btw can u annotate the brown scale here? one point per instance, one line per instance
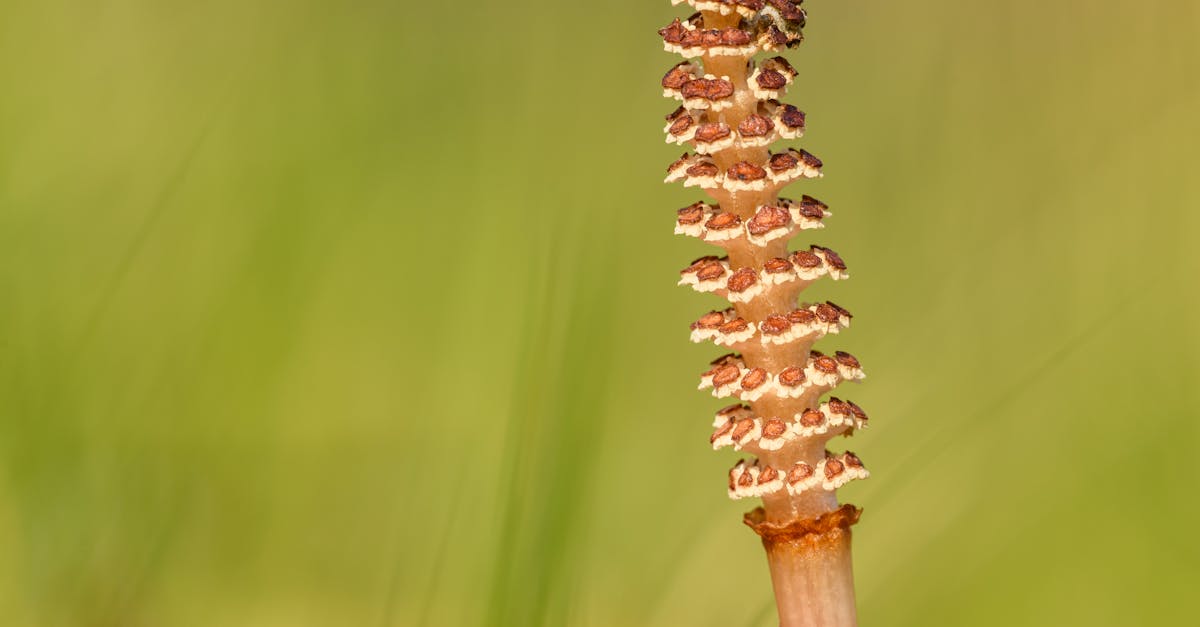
(784, 65)
(838, 406)
(835, 260)
(711, 272)
(828, 313)
(742, 280)
(805, 260)
(754, 379)
(673, 33)
(678, 76)
(767, 219)
(691, 214)
(678, 163)
(792, 377)
(783, 162)
(681, 125)
(833, 468)
(735, 37)
(700, 263)
(712, 38)
(847, 360)
(746, 171)
(703, 169)
(774, 429)
(755, 125)
(723, 221)
(712, 132)
(777, 37)
(790, 11)
(812, 208)
(799, 472)
(810, 160)
(801, 316)
(707, 88)
(745, 480)
(726, 375)
(777, 265)
(767, 475)
(737, 325)
(812, 418)
(842, 310)
(710, 320)
(792, 117)
(717, 364)
(812, 213)
(721, 432)
(775, 325)
(825, 364)
(742, 429)
(771, 80)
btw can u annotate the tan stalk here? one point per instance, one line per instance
(731, 115)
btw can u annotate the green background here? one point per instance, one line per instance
(363, 313)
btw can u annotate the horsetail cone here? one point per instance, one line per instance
(731, 116)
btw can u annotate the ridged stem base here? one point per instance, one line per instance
(811, 568)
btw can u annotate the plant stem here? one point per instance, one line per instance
(805, 532)
(811, 569)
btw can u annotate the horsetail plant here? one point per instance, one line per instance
(731, 115)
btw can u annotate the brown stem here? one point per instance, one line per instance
(811, 569)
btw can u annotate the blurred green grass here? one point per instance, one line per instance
(322, 313)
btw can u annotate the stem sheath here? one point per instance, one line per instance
(811, 568)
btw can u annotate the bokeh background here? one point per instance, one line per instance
(362, 313)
